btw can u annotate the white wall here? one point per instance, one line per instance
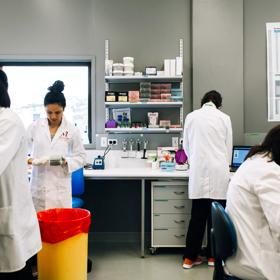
(148, 30)
(48, 27)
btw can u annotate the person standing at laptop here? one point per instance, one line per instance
(208, 143)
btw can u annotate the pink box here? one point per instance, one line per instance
(133, 96)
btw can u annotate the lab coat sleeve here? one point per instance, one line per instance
(10, 139)
(77, 158)
(268, 192)
(30, 138)
(185, 138)
(229, 140)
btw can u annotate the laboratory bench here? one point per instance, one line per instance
(143, 174)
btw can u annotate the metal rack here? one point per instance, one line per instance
(109, 80)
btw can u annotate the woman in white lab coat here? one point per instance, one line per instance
(253, 203)
(56, 151)
(208, 143)
(19, 229)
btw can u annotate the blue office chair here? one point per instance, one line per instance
(78, 188)
(223, 239)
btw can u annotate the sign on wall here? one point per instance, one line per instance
(273, 70)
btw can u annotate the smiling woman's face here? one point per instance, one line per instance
(54, 114)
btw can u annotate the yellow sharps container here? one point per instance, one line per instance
(65, 244)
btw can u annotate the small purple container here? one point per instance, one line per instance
(111, 124)
(181, 157)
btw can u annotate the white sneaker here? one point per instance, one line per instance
(211, 262)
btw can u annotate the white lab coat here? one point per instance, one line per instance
(51, 185)
(208, 144)
(19, 230)
(253, 203)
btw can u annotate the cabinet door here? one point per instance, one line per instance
(170, 192)
(169, 237)
(171, 221)
(171, 206)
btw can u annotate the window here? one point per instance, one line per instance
(29, 82)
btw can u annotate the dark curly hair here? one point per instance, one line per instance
(55, 95)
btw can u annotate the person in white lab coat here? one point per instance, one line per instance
(56, 151)
(208, 143)
(19, 230)
(253, 203)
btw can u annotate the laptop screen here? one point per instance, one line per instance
(238, 155)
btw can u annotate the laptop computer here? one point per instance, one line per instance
(238, 156)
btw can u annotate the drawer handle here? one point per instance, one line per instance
(179, 222)
(179, 236)
(179, 207)
(179, 193)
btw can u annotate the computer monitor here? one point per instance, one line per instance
(238, 156)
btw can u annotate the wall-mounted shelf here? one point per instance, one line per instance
(169, 110)
(137, 79)
(143, 104)
(144, 130)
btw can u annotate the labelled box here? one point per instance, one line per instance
(110, 96)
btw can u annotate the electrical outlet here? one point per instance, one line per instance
(175, 141)
(112, 142)
(103, 142)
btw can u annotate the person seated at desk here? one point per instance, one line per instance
(253, 203)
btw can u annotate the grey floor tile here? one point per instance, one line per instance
(123, 262)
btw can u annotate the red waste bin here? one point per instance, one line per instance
(64, 254)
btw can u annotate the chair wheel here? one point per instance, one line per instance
(153, 250)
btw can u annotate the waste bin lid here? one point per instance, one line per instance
(58, 224)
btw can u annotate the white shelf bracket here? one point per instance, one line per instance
(181, 48)
(106, 49)
(107, 114)
(181, 116)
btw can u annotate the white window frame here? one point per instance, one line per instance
(66, 59)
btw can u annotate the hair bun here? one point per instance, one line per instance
(57, 87)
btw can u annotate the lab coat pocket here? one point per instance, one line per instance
(26, 217)
(6, 221)
(64, 197)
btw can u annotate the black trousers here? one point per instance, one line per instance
(200, 216)
(23, 274)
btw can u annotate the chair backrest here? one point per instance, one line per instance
(78, 182)
(223, 239)
(223, 233)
